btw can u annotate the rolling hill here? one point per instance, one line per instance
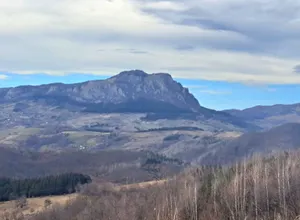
(112, 166)
(283, 138)
(269, 116)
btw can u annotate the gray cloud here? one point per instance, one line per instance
(272, 27)
(185, 47)
(229, 40)
(123, 50)
(297, 69)
(137, 51)
(208, 23)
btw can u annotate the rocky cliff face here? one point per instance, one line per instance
(134, 91)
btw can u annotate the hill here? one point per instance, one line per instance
(269, 116)
(113, 166)
(283, 138)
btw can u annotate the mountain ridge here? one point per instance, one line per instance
(282, 138)
(108, 115)
(269, 116)
(127, 86)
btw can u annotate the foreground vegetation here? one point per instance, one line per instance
(259, 189)
(262, 188)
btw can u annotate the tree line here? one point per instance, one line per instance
(11, 189)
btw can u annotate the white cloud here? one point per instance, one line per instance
(195, 86)
(165, 5)
(64, 36)
(271, 90)
(207, 90)
(3, 77)
(215, 92)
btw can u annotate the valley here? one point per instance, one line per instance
(106, 115)
(149, 110)
(140, 138)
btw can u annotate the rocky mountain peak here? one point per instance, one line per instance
(129, 91)
(133, 76)
(136, 73)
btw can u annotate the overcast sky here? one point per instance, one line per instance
(249, 42)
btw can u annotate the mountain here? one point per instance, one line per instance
(282, 138)
(132, 111)
(129, 91)
(269, 116)
(158, 96)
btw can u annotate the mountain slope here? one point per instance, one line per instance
(130, 111)
(129, 91)
(157, 95)
(269, 116)
(283, 138)
(115, 166)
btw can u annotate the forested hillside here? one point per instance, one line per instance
(44, 186)
(112, 166)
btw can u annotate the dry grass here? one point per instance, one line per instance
(36, 205)
(142, 185)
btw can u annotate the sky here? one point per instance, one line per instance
(229, 53)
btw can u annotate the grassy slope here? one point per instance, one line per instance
(36, 205)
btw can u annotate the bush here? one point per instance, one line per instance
(47, 203)
(21, 203)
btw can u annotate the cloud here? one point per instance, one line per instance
(185, 47)
(195, 86)
(131, 50)
(297, 69)
(229, 40)
(206, 90)
(215, 92)
(3, 77)
(271, 90)
(165, 6)
(258, 20)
